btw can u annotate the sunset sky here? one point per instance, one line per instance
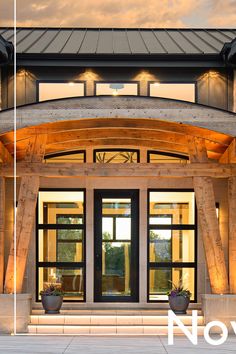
(121, 13)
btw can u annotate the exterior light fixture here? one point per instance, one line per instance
(116, 88)
(217, 210)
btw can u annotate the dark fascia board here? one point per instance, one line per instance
(114, 60)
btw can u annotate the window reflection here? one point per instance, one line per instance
(177, 91)
(56, 90)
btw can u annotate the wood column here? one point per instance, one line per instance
(232, 233)
(205, 198)
(2, 231)
(24, 224)
(25, 217)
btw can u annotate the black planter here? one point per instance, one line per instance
(52, 304)
(179, 304)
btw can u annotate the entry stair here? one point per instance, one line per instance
(108, 322)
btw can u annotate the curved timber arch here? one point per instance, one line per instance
(155, 123)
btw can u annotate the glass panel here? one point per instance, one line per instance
(71, 281)
(116, 255)
(160, 246)
(123, 228)
(176, 207)
(61, 207)
(116, 89)
(161, 158)
(74, 157)
(116, 156)
(116, 268)
(107, 228)
(60, 245)
(171, 246)
(56, 90)
(180, 91)
(161, 279)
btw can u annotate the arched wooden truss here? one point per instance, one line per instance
(119, 132)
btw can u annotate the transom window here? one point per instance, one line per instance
(56, 90)
(116, 156)
(117, 88)
(70, 157)
(171, 242)
(60, 242)
(177, 91)
(164, 157)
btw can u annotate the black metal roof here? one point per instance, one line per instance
(119, 41)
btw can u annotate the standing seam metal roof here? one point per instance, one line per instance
(119, 40)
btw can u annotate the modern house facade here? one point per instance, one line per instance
(126, 176)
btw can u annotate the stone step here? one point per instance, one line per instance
(128, 312)
(106, 330)
(109, 320)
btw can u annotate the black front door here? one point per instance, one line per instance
(116, 236)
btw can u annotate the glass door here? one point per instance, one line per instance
(116, 245)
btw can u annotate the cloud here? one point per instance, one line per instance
(223, 14)
(119, 13)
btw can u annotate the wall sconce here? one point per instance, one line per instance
(16, 206)
(217, 210)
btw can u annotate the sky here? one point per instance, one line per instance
(120, 13)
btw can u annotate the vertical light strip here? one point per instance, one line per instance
(14, 94)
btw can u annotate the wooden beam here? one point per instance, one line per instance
(25, 215)
(197, 150)
(205, 198)
(5, 156)
(2, 231)
(24, 224)
(215, 170)
(229, 156)
(214, 253)
(232, 233)
(35, 148)
(126, 123)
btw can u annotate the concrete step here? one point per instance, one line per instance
(106, 330)
(115, 312)
(109, 320)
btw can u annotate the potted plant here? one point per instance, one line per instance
(52, 298)
(179, 298)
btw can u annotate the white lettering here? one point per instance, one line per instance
(191, 336)
(224, 334)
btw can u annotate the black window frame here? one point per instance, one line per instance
(116, 149)
(194, 82)
(171, 265)
(61, 265)
(60, 81)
